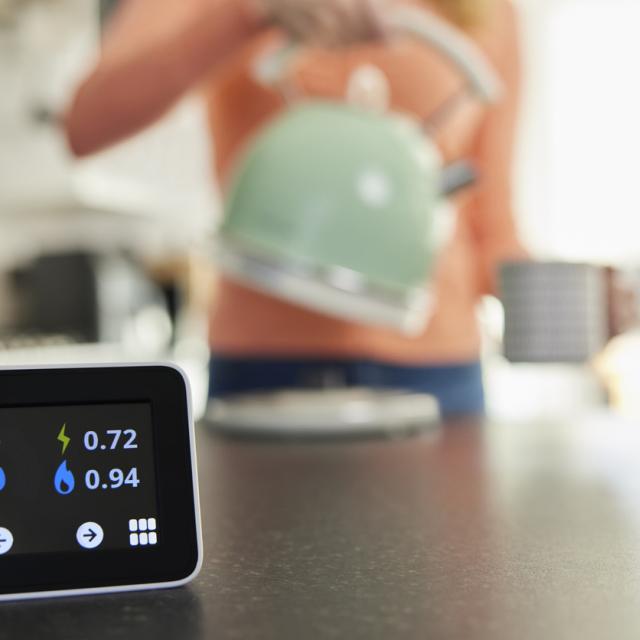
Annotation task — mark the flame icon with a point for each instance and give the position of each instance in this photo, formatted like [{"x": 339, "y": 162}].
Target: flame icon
[
  {"x": 64, "y": 481},
  {"x": 3, "y": 479}
]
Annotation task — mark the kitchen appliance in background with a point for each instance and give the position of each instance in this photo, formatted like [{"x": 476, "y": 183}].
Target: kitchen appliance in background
[{"x": 84, "y": 297}]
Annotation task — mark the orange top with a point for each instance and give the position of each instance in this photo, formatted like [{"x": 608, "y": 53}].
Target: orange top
[{"x": 245, "y": 322}]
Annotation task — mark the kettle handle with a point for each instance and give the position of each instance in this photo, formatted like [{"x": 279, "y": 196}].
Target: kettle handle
[{"x": 482, "y": 80}]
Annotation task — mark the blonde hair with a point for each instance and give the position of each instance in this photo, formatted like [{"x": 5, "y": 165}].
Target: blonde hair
[{"x": 466, "y": 13}]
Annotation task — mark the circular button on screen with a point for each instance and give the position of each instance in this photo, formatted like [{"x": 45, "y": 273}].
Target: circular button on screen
[
  {"x": 6, "y": 540},
  {"x": 90, "y": 535}
]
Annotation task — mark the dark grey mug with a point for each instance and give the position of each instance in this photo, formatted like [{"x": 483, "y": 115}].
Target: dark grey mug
[{"x": 554, "y": 311}]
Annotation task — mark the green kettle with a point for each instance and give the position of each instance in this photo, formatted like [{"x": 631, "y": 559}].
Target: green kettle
[{"x": 334, "y": 206}]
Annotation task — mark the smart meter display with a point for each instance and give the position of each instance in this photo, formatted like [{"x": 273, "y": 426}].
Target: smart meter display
[{"x": 98, "y": 480}]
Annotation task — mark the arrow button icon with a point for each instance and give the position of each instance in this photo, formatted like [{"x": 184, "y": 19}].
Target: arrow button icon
[
  {"x": 6, "y": 540},
  {"x": 90, "y": 535}
]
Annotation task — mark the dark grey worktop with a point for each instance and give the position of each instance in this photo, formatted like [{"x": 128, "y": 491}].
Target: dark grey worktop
[{"x": 507, "y": 531}]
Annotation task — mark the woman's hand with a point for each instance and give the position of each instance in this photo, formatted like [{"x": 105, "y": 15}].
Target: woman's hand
[{"x": 328, "y": 23}]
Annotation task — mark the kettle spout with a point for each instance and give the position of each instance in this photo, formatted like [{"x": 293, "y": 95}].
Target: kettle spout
[{"x": 457, "y": 176}]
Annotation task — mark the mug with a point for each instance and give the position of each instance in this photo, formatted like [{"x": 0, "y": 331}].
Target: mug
[{"x": 555, "y": 312}]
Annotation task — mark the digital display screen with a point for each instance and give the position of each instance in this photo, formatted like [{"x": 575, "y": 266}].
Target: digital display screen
[{"x": 77, "y": 478}]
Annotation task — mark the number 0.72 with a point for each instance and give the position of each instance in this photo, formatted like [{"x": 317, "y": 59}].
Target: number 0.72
[{"x": 126, "y": 438}]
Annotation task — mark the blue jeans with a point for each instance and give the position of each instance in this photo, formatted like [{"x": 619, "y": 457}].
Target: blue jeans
[{"x": 458, "y": 388}]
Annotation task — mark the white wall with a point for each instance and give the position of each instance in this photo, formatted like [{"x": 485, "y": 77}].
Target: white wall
[{"x": 578, "y": 174}]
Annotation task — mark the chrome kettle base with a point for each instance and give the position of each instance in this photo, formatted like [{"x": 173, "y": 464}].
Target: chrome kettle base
[
  {"x": 324, "y": 414},
  {"x": 335, "y": 291}
]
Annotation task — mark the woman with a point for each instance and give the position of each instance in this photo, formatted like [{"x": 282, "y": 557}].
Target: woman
[{"x": 153, "y": 54}]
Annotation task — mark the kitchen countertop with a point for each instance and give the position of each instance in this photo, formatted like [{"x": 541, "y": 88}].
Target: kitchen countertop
[{"x": 496, "y": 531}]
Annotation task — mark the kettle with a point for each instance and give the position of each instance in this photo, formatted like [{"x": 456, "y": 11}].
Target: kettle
[{"x": 334, "y": 206}]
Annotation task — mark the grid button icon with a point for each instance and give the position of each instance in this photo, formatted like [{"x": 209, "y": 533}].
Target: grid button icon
[{"x": 142, "y": 532}]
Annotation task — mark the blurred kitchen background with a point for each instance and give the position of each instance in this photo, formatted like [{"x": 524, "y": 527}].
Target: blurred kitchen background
[{"x": 108, "y": 259}]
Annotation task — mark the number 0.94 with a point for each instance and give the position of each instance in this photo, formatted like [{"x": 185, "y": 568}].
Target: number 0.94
[
  {"x": 125, "y": 438},
  {"x": 117, "y": 478}
]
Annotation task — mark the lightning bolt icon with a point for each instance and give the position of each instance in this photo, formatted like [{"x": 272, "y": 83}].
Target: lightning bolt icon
[{"x": 63, "y": 438}]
